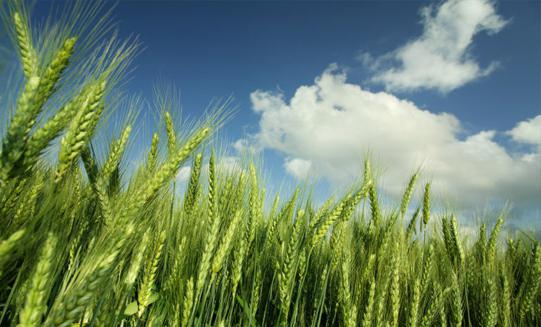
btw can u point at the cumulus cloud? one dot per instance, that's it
(327, 129)
(299, 168)
(441, 57)
(528, 132)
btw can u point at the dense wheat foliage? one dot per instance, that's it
(83, 242)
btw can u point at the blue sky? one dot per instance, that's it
(442, 84)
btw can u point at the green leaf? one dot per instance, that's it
(131, 309)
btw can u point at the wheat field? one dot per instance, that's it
(86, 242)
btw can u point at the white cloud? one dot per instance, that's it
(528, 132)
(329, 127)
(441, 57)
(299, 168)
(183, 174)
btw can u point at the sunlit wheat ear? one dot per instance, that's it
(491, 246)
(52, 73)
(238, 264)
(80, 130)
(456, 240)
(36, 297)
(153, 152)
(224, 247)
(15, 138)
(167, 171)
(27, 52)
(322, 228)
(287, 269)
(212, 228)
(171, 135)
(374, 206)
(256, 211)
(115, 154)
(193, 189)
(8, 246)
(406, 198)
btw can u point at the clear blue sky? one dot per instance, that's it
(217, 49)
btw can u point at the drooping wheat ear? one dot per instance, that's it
(188, 302)
(491, 246)
(8, 246)
(193, 188)
(412, 226)
(426, 204)
(54, 70)
(153, 152)
(73, 304)
(148, 284)
(224, 247)
(414, 306)
(406, 198)
(287, 269)
(320, 213)
(29, 58)
(321, 230)
(36, 296)
(171, 135)
(52, 128)
(170, 167)
(352, 202)
(81, 130)
(530, 286)
(367, 317)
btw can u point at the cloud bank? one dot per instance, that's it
(326, 129)
(441, 57)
